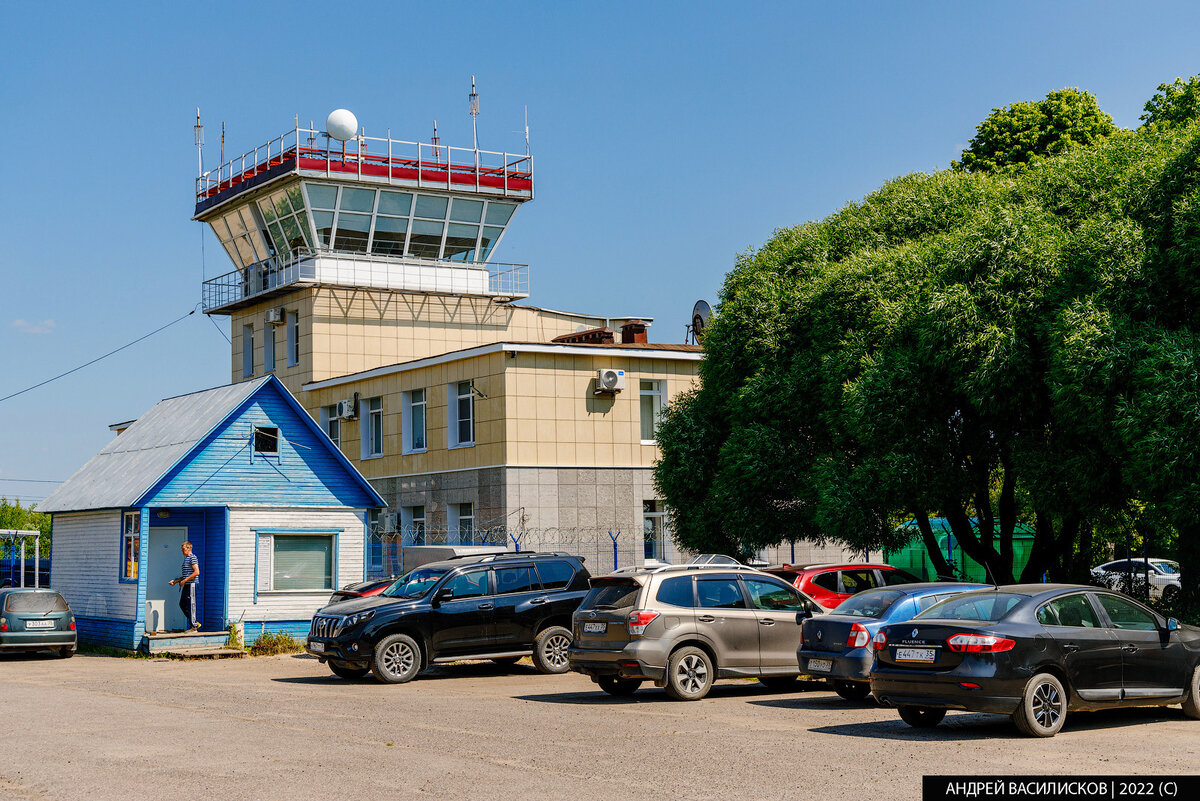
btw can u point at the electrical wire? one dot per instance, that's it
(98, 358)
(32, 480)
(219, 331)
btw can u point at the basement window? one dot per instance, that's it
(266, 441)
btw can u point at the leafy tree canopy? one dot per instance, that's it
(1015, 136)
(1174, 103)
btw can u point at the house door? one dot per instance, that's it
(162, 600)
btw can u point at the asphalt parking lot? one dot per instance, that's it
(97, 727)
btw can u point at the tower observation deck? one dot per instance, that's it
(308, 209)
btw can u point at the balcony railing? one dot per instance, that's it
(273, 276)
(376, 158)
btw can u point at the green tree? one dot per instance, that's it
(985, 347)
(1174, 103)
(1014, 136)
(15, 516)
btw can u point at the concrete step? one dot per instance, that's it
(183, 640)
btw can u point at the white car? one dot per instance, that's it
(1162, 573)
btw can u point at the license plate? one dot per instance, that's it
(916, 654)
(820, 665)
(595, 628)
(316, 646)
(39, 624)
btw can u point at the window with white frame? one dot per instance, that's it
(293, 338)
(295, 561)
(331, 424)
(268, 348)
(461, 521)
(413, 421)
(372, 428)
(461, 407)
(412, 521)
(652, 404)
(247, 351)
(653, 529)
(131, 544)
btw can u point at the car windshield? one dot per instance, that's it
(872, 603)
(611, 595)
(36, 602)
(415, 583)
(1167, 566)
(990, 607)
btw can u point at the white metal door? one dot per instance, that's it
(164, 563)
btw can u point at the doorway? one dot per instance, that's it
(164, 560)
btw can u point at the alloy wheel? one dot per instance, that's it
(398, 658)
(555, 650)
(692, 673)
(1047, 705)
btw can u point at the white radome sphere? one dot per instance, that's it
(341, 124)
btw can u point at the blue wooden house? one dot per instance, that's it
(275, 513)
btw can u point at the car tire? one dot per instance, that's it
(852, 690)
(1043, 708)
(689, 674)
(66, 652)
(778, 683)
(1169, 594)
(346, 671)
(1191, 704)
(615, 685)
(922, 717)
(550, 650)
(397, 659)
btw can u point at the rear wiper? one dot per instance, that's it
(604, 606)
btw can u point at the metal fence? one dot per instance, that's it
(602, 549)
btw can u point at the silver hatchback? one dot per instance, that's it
(685, 626)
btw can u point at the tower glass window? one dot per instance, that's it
(331, 423)
(372, 441)
(413, 416)
(462, 415)
(651, 397)
(653, 529)
(247, 351)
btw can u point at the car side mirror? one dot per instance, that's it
(444, 594)
(1172, 624)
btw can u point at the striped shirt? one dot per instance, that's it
(190, 562)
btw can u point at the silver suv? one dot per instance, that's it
(683, 626)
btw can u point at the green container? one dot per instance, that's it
(915, 559)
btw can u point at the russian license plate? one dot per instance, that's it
(820, 665)
(316, 646)
(39, 624)
(595, 628)
(916, 654)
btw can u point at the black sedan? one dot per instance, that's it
(1034, 652)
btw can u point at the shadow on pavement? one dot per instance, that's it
(459, 670)
(649, 693)
(976, 726)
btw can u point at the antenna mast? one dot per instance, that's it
(527, 130)
(437, 143)
(474, 102)
(198, 132)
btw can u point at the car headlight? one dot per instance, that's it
(359, 617)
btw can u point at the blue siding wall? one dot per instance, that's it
(206, 532)
(222, 471)
(106, 631)
(298, 629)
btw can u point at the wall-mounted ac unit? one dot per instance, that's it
(347, 410)
(387, 520)
(610, 380)
(275, 316)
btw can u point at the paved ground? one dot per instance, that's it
(97, 727)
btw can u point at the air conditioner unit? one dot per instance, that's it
(387, 520)
(275, 316)
(346, 410)
(609, 380)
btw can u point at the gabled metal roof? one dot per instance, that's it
(134, 461)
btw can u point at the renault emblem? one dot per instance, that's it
(591, 614)
(914, 634)
(820, 634)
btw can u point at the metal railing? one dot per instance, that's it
(364, 269)
(395, 160)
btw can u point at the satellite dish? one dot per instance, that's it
(341, 124)
(700, 314)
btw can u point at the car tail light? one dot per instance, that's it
(3, 624)
(639, 620)
(859, 636)
(879, 641)
(979, 643)
(72, 624)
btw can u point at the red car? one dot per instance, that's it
(829, 585)
(362, 589)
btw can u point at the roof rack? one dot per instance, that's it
(703, 567)
(492, 557)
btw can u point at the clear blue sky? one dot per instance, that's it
(667, 138)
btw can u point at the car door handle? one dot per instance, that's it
(538, 600)
(486, 605)
(766, 622)
(706, 618)
(1070, 647)
(1129, 649)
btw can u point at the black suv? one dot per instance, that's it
(500, 607)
